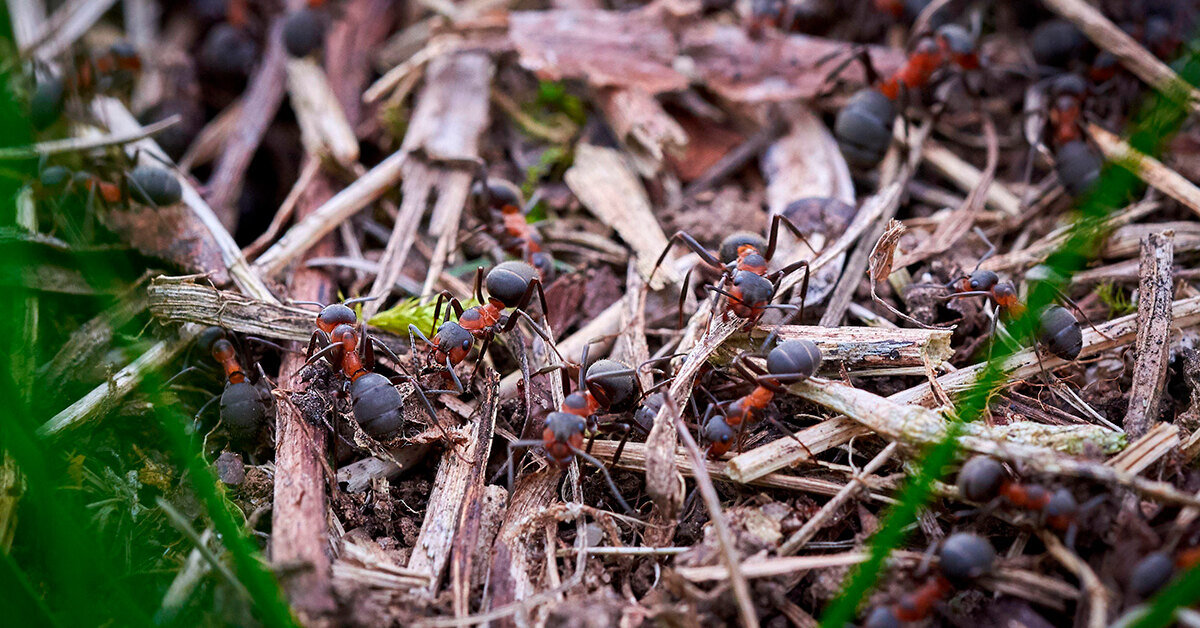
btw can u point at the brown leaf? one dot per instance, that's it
(885, 251)
(774, 69)
(604, 48)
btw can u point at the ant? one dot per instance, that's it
(562, 440)
(149, 185)
(509, 285)
(243, 406)
(304, 29)
(503, 213)
(1058, 330)
(790, 361)
(91, 74)
(1158, 568)
(742, 261)
(963, 558)
(984, 480)
(376, 403)
(863, 127)
(1076, 163)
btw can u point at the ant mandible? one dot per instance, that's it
(790, 361)
(963, 558)
(510, 285)
(742, 261)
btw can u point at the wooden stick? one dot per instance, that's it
(858, 347)
(1147, 168)
(1152, 348)
(324, 130)
(784, 453)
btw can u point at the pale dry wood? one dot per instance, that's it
(784, 453)
(27, 17)
(633, 458)
(121, 121)
(436, 47)
(324, 130)
(1161, 440)
(515, 559)
(103, 397)
(645, 129)
(491, 515)
(451, 514)
(858, 347)
(1024, 364)
(799, 538)
(1152, 347)
(966, 177)
(1097, 594)
(1147, 168)
(365, 190)
(73, 144)
(357, 476)
(1132, 55)
(608, 187)
(66, 25)
(180, 299)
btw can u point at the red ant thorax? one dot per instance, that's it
(916, 71)
(223, 352)
(352, 365)
(748, 408)
(919, 604)
(750, 259)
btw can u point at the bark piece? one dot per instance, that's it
(1152, 348)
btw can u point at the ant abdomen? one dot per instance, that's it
(155, 186)
(303, 32)
(619, 391)
(1151, 573)
(243, 410)
(378, 407)
(965, 557)
(797, 357)
(508, 281)
(1060, 332)
(981, 479)
(732, 244)
(1078, 167)
(864, 128)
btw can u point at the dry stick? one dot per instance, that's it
(68, 23)
(1096, 593)
(71, 144)
(471, 514)
(365, 190)
(810, 528)
(741, 589)
(259, 106)
(1152, 348)
(1133, 56)
(966, 177)
(1161, 440)
(633, 458)
(1147, 168)
(324, 130)
(27, 17)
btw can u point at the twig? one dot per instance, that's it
(1161, 440)
(741, 589)
(324, 130)
(966, 177)
(784, 453)
(859, 347)
(1153, 345)
(68, 23)
(1147, 168)
(72, 144)
(1096, 593)
(796, 541)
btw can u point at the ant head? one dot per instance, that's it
(1069, 85)
(508, 281)
(794, 357)
(208, 337)
(303, 32)
(983, 280)
(956, 40)
(544, 264)
(563, 425)
(47, 103)
(1062, 504)
(644, 415)
(753, 290)
(54, 177)
(155, 186)
(980, 479)
(1151, 573)
(965, 557)
(731, 246)
(222, 349)
(125, 55)
(333, 315)
(864, 127)
(502, 195)
(718, 432)
(883, 617)
(454, 341)
(1060, 332)
(346, 335)
(614, 389)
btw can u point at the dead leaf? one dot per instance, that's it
(884, 253)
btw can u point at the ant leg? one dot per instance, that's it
(433, 415)
(991, 247)
(458, 385)
(793, 312)
(612, 486)
(508, 464)
(437, 310)
(774, 234)
(205, 407)
(512, 322)
(966, 293)
(625, 431)
(779, 424)
(478, 286)
(683, 290)
(696, 247)
(355, 300)
(332, 349)
(483, 348)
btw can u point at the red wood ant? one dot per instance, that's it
(863, 127)
(1158, 568)
(510, 285)
(503, 213)
(984, 480)
(790, 361)
(91, 74)
(1075, 162)
(742, 261)
(963, 558)
(243, 406)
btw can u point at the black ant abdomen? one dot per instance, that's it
(981, 479)
(613, 384)
(1151, 573)
(378, 407)
(303, 32)
(47, 103)
(156, 187)
(864, 128)
(797, 358)
(965, 557)
(1060, 332)
(508, 281)
(1056, 43)
(243, 410)
(732, 245)
(1078, 167)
